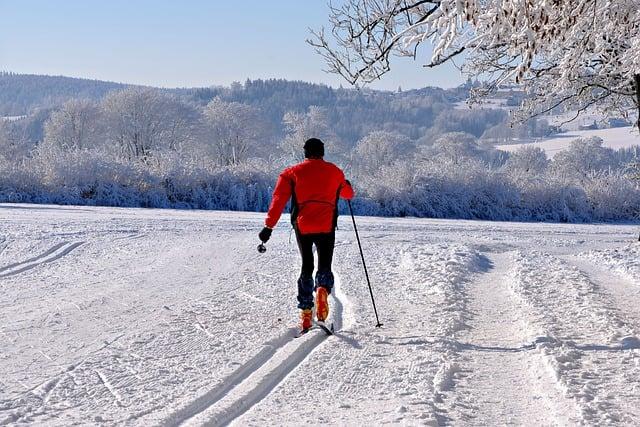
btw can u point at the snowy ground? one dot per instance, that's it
(613, 138)
(158, 317)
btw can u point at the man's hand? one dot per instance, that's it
(265, 234)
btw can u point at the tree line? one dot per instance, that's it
(147, 147)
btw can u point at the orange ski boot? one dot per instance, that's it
(306, 319)
(322, 304)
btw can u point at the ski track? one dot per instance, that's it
(624, 292)
(499, 353)
(34, 259)
(53, 254)
(589, 362)
(252, 382)
(403, 372)
(105, 381)
(172, 318)
(623, 260)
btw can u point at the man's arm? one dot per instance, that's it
(281, 195)
(346, 190)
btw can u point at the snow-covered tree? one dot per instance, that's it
(302, 126)
(574, 53)
(506, 132)
(74, 126)
(633, 171)
(13, 144)
(140, 121)
(583, 157)
(235, 130)
(528, 161)
(380, 148)
(455, 147)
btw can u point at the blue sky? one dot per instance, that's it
(179, 43)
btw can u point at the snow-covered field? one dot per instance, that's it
(159, 317)
(613, 138)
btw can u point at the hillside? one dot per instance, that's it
(615, 138)
(352, 113)
(21, 93)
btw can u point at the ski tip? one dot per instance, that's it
(328, 329)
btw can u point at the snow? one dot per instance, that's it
(493, 103)
(12, 118)
(147, 317)
(615, 138)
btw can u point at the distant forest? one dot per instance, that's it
(418, 114)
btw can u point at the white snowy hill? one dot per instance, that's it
(159, 317)
(615, 138)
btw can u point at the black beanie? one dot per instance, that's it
(313, 147)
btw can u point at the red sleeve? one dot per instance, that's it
(281, 195)
(346, 191)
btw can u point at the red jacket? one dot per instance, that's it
(315, 186)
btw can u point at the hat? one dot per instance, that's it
(313, 148)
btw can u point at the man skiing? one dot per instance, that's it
(314, 187)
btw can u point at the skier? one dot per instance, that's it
(314, 187)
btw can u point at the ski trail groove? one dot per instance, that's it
(105, 381)
(500, 358)
(36, 258)
(56, 252)
(252, 382)
(622, 291)
(589, 352)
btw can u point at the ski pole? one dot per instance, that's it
(355, 228)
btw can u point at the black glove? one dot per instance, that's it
(348, 182)
(265, 234)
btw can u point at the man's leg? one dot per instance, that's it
(305, 281)
(324, 245)
(324, 276)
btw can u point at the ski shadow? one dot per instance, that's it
(344, 336)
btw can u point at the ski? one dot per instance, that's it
(328, 329)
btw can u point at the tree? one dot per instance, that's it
(474, 121)
(143, 120)
(235, 130)
(527, 161)
(380, 148)
(505, 132)
(302, 126)
(74, 126)
(571, 53)
(12, 143)
(455, 147)
(583, 157)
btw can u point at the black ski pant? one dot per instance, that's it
(324, 277)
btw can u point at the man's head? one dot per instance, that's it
(313, 149)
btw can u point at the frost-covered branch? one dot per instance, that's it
(568, 53)
(367, 34)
